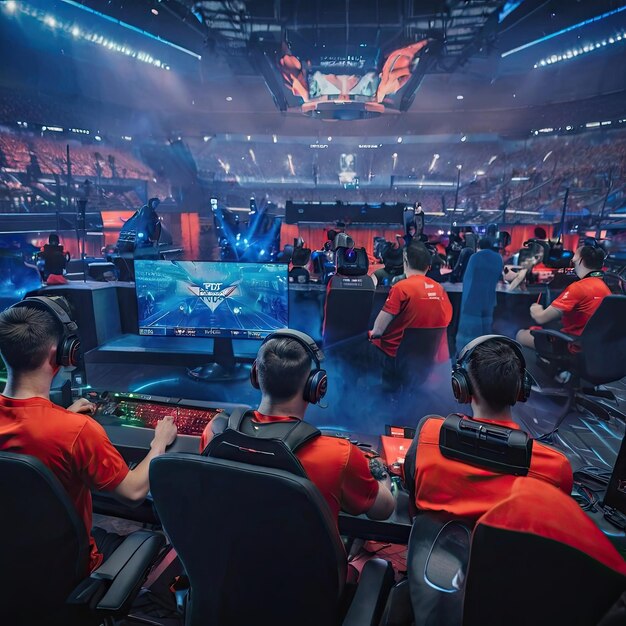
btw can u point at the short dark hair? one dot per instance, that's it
(485, 244)
(540, 232)
(418, 256)
(592, 256)
(26, 336)
(53, 239)
(495, 372)
(283, 365)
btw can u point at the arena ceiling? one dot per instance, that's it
(484, 80)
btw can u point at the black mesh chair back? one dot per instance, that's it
(258, 544)
(603, 343)
(437, 559)
(43, 542)
(347, 309)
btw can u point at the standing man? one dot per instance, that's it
(484, 270)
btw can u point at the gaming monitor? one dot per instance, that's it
(211, 299)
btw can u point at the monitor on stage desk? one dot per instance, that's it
(216, 300)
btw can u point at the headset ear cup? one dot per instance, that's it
(68, 351)
(254, 375)
(525, 387)
(461, 387)
(315, 386)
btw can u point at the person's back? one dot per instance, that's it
(491, 374)
(63, 440)
(414, 302)
(469, 493)
(484, 270)
(335, 466)
(37, 337)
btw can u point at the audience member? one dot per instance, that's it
(69, 442)
(337, 467)
(578, 301)
(495, 373)
(484, 271)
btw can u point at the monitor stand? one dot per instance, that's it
(224, 367)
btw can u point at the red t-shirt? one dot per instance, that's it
(579, 301)
(335, 466)
(74, 446)
(416, 302)
(442, 484)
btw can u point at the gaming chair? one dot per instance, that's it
(595, 357)
(259, 543)
(44, 577)
(534, 558)
(347, 308)
(298, 273)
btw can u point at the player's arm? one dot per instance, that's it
(543, 316)
(385, 503)
(380, 325)
(134, 488)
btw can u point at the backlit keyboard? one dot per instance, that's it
(189, 421)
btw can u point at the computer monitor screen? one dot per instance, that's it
(211, 299)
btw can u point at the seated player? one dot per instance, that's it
(415, 302)
(491, 375)
(578, 301)
(34, 342)
(337, 467)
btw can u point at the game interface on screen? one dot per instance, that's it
(211, 299)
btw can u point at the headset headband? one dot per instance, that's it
(469, 348)
(44, 303)
(303, 339)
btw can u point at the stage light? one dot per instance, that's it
(399, 140)
(274, 138)
(464, 138)
(229, 98)
(98, 138)
(459, 97)
(11, 6)
(154, 12)
(206, 138)
(330, 138)
(76, 31)
(50, 21)
(249, 137)
(394, 155)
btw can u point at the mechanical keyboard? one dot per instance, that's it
(142, 411)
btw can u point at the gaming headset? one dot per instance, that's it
(461, 384)
(317, 382)
(68, 349)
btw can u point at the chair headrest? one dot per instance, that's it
(493, 447)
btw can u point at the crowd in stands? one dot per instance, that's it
(527, 175)
(28, 161)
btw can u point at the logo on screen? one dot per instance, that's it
(213, 294)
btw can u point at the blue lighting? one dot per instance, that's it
(591, 20)
(154, 382)
(145, 33)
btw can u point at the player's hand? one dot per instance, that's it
(165, 432)
(82, 405)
